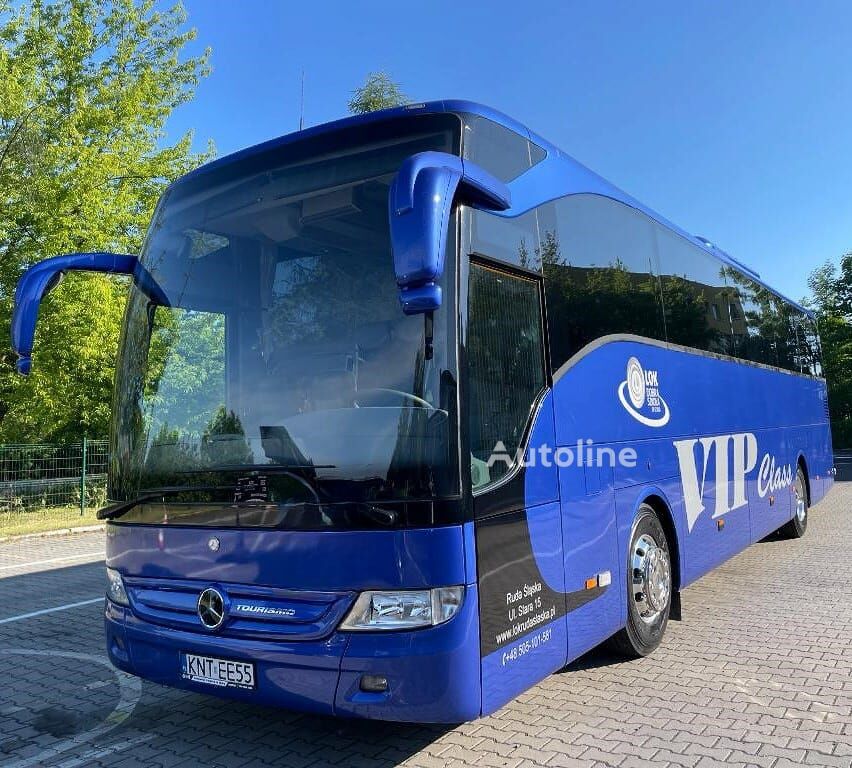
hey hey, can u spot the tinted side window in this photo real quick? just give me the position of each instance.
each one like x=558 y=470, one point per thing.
x=769 y=330
x=698 y=302
x=498 y=150
x=505 y=364
x=809 y=351
x=788 y=341
x=513 y=240
x=599 y=262
x=506 y=155
x=761 y=329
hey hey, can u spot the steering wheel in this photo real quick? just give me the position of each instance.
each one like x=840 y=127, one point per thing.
x=407 y=395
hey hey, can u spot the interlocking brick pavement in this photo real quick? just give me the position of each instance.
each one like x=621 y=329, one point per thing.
x=759 y=673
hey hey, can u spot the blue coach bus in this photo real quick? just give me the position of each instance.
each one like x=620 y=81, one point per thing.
x=412 y=409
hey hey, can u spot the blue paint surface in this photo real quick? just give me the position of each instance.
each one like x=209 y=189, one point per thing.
x=324 y=561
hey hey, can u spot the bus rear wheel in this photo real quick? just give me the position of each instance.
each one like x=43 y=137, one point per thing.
x=796 y=528
x=649 y=588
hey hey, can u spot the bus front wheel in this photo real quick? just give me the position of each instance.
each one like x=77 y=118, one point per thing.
x=649 y=587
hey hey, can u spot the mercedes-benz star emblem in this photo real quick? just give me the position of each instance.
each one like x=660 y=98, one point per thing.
x=213 y=544
x=211 y=608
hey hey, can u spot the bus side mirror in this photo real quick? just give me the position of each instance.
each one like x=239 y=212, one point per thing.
x=420 y=202
x=38 y=280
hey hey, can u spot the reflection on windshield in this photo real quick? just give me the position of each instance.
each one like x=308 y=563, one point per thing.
x=284 y=344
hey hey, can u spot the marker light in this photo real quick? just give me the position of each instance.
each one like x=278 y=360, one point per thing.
x=409 y=609
x=115 y=587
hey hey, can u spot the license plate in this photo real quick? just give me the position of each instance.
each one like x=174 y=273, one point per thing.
x=223 y=673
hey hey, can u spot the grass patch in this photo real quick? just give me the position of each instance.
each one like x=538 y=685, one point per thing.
x=40 y=520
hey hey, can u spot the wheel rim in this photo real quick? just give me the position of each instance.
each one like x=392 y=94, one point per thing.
x=652 y=578
x=801 y=498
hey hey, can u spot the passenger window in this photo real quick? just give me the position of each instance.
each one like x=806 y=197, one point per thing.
x=694 y=288
x=512 y=240
x=786 y=335
x=499 y=150
x=506 y=154
x=808 y=346
x=505 y=364
x=599 y=263
x=762 y=329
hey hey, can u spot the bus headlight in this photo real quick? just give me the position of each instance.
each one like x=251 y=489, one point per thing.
x=403 y=609
x=115 y=587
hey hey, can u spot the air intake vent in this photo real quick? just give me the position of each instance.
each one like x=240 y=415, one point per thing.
x=823 y=395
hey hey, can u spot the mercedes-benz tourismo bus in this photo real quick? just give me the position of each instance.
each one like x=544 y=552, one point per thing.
x=412 y=408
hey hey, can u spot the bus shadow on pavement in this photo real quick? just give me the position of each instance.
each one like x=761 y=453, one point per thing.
x=223 y=732
x=844 y=475
x=597 y=657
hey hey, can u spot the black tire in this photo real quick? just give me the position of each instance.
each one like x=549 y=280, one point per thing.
x=646 y=620
x=796 y=528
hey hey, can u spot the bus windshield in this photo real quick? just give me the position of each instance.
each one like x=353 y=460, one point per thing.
x=280 y=372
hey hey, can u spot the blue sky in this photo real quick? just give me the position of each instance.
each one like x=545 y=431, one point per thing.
x=733 y=120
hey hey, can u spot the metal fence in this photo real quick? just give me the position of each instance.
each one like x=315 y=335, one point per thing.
x=41 y=476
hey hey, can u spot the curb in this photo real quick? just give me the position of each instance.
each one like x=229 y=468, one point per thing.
x=57 y=532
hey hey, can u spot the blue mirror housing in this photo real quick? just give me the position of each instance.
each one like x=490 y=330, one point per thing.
x=41 y=277
x=420 y=203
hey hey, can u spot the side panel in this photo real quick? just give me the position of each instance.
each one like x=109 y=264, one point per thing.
x=522 y=611
x=771 y=506
x=717 y=439
x=591 y=551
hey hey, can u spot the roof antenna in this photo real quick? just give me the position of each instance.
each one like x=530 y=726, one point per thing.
x=302 y=103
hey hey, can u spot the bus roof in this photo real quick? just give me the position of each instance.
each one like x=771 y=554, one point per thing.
x=557 y=175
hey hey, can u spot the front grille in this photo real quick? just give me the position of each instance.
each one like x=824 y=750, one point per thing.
x=251 y=612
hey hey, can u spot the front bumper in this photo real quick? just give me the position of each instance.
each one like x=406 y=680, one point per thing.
x=433 y=674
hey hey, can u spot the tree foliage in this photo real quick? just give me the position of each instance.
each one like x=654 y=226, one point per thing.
x=378 y=92
x=831 y=289
x=86 y=87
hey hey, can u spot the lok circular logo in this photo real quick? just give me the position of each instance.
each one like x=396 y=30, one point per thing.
x=640 y=395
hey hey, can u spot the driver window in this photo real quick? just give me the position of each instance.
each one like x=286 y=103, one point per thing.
x=505 y=364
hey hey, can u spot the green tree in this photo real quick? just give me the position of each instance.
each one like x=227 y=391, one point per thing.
x=378 y=92
x=831 y=289
x=86 y=87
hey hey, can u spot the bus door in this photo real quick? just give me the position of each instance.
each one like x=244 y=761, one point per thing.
x=517 y=520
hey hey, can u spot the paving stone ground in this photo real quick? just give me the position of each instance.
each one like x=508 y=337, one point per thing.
x=758 y=673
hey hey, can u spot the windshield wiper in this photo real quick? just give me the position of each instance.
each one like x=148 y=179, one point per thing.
x=152 y=494
x=269 y=469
